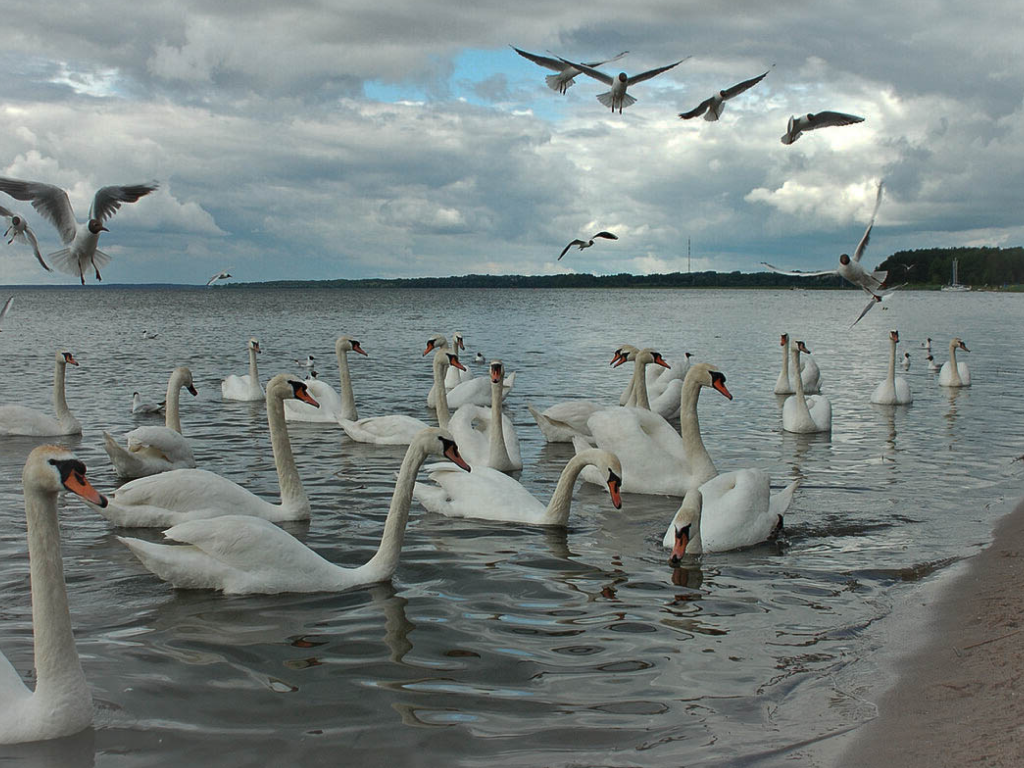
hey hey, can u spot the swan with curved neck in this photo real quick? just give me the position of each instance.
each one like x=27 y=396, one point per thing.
x=952 y=373
x=20 y=420
x=810 y=374
x=455 y=376
x=61 y=703
x=191 y=494
x=893 y=389
x=493 y=495
x=249 y=555
x=666 y=404
x=332 y=405
x=156 y=449
x=399 y=429
x=805 y=414
x=496 y=445
x=245 y=388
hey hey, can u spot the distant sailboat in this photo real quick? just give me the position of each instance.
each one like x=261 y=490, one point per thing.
x=956 y=285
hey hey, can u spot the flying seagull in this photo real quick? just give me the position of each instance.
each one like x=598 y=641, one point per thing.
x=218 y=276
x=52 y=203
x=566 y=71
x=6 y=309
x=872 y=283
x=617 y=98
x=19 y=230
x=712 y=108
x=811 y=121
x=586 y=243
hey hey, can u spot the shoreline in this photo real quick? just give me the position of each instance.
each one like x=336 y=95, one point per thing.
x=959 y=695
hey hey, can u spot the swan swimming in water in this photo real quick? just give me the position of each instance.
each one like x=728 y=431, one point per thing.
x=802 y=414
x=333 y=407
x=496 y=444
x=246 y=388
x=810 y=374
x=21 y=420
x=893 y=389
x=952 y=373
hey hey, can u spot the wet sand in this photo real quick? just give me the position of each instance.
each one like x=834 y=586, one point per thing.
x=959 y=698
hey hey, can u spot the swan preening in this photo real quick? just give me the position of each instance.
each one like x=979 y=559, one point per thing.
x=245 y=388
x=493 y=495
x=332 y=405
x=805 y=414
x=495 y=443
x=191 y=494
x=249 y=555
x=21 y=420
x=810 y=374
x=156 y=449
x=61 y=704
x=952 y=373
x=893 y=389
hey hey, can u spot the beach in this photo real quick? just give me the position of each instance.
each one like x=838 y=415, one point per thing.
x=958 y=697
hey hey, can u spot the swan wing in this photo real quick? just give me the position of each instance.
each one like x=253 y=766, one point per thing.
x=396 y=429
x=737 y=510
x=167 y=442
x=20 y=420
x=488 y=495
x=181 y=494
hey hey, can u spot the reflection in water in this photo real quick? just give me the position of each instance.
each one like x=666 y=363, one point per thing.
x=76 y=751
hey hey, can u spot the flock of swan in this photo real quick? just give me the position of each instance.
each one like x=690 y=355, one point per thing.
x=221 y=536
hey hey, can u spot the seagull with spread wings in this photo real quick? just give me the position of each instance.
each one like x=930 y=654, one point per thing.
x=617 y=98
x=872 y=283
x=19 y=230
x=712 y=108
x=581 y=244
x=812 y=121
x=6 y=309
x=80 y=240
x=219 y=276
x=566 y=71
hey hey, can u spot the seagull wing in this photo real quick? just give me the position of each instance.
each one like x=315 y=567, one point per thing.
x=544 y=61
x=867 y=232
x=697 y=111
x=797 y=272
x=606 y=61
x=108 y=199
x=607 y=235
x=871 y=302
x=31 y=237
x=739 y=88
x=51 y=202
x=594 y=73
x=651 y=73
x=828 y=119
x=6 y=309
x=566 y=249
x=6 y=213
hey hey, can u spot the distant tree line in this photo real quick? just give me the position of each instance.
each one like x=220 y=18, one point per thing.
x=976 y=266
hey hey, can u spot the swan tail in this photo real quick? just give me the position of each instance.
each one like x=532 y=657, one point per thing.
x=184 y=567
x=125 y=464
x=433 y=497
x=509 y=381
x=554 y=431
x=779 y=502
x=580 y=444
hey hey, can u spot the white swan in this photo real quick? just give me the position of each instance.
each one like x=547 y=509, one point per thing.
x=245 y=388
x=496 y=443
x=893 y=389
x=655 y=458
x=249 y=555
x=739 y=514
x=810 y=374
x=665 y=405
x=156 y=449
x=399 y=429
x=475 y=391
x=332 y=405
x=492 y=495
x=659 y=379
x=61 y=704
x=563 y=421
x=802 y=414
x=138 y=406
x=456 y=376
x=952 y=373
x=20 y=420
x=191 y=494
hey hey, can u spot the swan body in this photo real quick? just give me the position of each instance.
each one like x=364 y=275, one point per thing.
x=494 y=445
x=245 y=388
x=893 y=389
x=20 y=420
x=173 y=497
x=399 y=429
x=667 y=404
x=61 y=703
x=493 y=495
x=332 y=405
x=249 y=555
x=805 y=414
x=474 y=391
x=156 y=449
x=810 y=374
x=952 y=373
x=563 y=421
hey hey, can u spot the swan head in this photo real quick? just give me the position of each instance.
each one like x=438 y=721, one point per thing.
x=895 y=336
x=686 y=527
x=439 y=442
x=453 y=360
x=96 y=226
x=286 y=387
x=706 y=375
x=348 y=344
x=623 y=354
x=647 y=356
x=958 y=343
x=497 y=372
x=53 y=468
x=66 y=358
x=437 y=341
x=254 y=345
x=803 y=348
x=783 y=339
x=184 y=378
x=457 y=341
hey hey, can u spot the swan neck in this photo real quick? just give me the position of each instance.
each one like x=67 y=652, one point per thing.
x=56 y=660
x=558 y=507
x=293 y=495
x=440 y=393
x=640 y=385
x=892 y=362
x=382 y=565
x=498 y=452
x=172 y=417
x=254 y=374
x=785 y=359
x=60 y=403
x=348 y=398
x=798 y=383
x=689 y=429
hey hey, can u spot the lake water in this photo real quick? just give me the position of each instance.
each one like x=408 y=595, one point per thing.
x=502 y=644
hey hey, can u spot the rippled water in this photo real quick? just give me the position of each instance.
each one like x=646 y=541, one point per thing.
x=499 y=644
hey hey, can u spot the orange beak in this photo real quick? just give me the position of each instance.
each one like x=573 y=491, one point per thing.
x=257 y=348
x=615 y=359
x=452 y=454
x=620 y=360
x=430 y=346
x=455 y=362
x=613 y=491
x=495 y=375
x=357 y=348
x=720 y=386
x=80 y=486
x=679 y=548
x=661 y=361
x=301 y=393
x=71 y=359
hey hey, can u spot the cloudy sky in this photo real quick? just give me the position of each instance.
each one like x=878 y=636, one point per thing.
x=316 y=140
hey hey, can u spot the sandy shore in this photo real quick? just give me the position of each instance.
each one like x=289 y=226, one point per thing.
x=959 y=699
